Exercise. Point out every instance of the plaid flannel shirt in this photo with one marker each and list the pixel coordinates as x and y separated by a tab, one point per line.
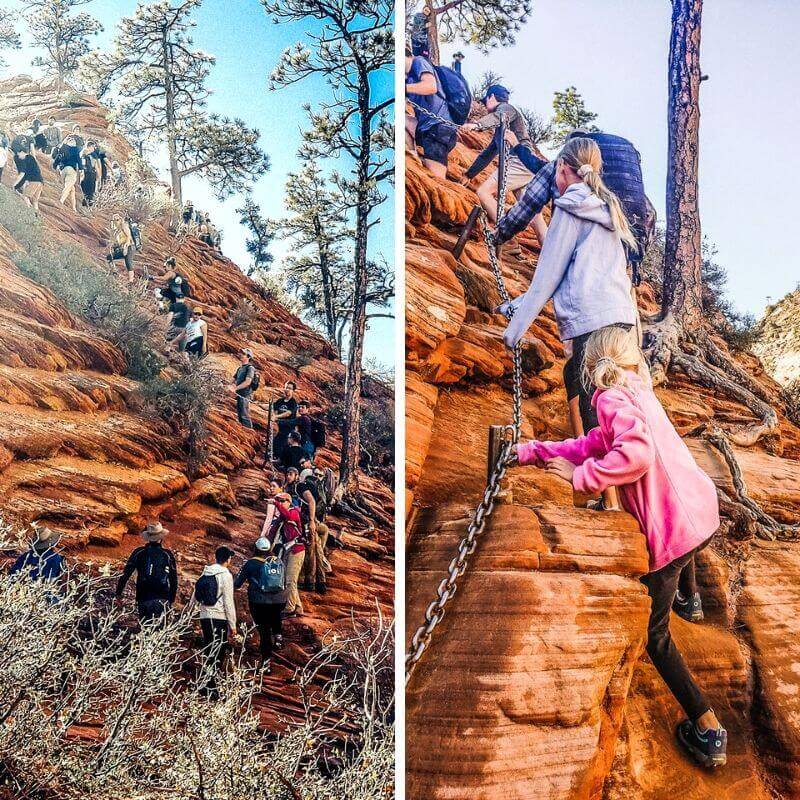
538	193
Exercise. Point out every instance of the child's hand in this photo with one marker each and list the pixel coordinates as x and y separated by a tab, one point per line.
561	467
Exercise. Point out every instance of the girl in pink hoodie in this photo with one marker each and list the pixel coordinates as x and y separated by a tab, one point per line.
637	449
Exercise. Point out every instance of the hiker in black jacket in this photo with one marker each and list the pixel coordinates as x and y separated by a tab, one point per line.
156	574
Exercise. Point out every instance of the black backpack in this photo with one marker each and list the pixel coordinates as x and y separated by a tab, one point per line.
153	572
206	590
317	433
456	93
256	382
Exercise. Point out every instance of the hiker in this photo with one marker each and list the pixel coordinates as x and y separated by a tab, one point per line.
196	335
68	161
213	593
293	452
120	245
306	428
89	172
116	173
33	180
517	175
312	514
242	386
622	174
174	285
181	314
291	531
41	561
78	136
188	213
420	33
21	145
156	574
435	137
582	267
136	234
39	139
637	449
52	136
285	415
456	64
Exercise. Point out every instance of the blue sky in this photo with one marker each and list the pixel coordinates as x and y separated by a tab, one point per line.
247	45
615	53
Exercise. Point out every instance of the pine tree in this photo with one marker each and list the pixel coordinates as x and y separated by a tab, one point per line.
354	43
62	34
159	79
9	38
320	274
481	23
261	236
570	112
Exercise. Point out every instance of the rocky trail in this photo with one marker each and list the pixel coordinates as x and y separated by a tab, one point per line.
536	684
78	453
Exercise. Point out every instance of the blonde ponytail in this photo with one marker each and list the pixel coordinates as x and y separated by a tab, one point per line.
583	155
610	353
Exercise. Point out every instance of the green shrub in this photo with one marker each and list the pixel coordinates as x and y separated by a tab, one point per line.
184	397
122	313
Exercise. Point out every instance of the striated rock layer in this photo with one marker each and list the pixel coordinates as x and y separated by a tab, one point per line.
78	454
536	684
778	338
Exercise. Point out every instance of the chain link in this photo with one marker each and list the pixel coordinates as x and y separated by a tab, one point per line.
447	588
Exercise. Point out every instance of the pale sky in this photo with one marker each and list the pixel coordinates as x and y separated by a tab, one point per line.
615	53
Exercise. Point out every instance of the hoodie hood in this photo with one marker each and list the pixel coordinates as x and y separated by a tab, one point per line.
214	569
579	201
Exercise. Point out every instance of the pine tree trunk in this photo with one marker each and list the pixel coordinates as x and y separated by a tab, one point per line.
351	439
433	34
169	110
327	284
682	293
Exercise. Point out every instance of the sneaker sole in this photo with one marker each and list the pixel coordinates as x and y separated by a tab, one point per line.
699	756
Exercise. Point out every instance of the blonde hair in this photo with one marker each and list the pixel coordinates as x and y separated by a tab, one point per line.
583	155
609	353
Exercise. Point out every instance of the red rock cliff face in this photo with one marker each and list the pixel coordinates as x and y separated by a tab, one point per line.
77	453
536	685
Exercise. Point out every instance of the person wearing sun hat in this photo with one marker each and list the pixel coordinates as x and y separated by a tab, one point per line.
41	561
156	574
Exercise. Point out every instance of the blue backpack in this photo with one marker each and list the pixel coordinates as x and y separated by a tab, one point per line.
456	93
271	578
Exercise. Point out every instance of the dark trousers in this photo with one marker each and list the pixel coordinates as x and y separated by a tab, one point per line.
661	586
243	411
687	582
267	617
153	609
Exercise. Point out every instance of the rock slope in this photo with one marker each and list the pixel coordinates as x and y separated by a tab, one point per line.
536	684
78	454
778	339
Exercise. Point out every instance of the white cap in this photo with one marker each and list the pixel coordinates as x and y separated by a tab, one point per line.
262	543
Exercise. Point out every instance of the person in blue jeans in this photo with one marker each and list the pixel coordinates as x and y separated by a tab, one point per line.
430	128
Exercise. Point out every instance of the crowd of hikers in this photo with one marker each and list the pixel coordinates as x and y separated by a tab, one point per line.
625	450
289	555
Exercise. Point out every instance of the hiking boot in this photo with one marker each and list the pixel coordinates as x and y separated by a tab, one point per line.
708	748
690	608
599	505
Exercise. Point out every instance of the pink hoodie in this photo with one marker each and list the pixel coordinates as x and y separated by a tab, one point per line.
637	449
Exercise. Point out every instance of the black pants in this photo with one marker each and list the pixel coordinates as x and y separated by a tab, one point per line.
153	609
687	582
195	347
88	187
267	617
666	658
575	384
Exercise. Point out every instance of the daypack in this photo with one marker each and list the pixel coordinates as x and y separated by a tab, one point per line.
622	173
317	433
322	500
456	93
206	590
20	143
153	574
271	578
256	382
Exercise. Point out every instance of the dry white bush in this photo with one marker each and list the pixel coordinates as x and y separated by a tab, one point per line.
90	707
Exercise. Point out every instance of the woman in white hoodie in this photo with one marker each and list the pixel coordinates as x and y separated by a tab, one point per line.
218	618
583	268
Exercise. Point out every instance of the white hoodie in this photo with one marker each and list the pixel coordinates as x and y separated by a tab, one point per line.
582	266
224	608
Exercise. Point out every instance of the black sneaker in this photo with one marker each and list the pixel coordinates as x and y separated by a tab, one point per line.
690	608
708	749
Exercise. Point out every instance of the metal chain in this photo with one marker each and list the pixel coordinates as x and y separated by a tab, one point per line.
428	113
434	613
